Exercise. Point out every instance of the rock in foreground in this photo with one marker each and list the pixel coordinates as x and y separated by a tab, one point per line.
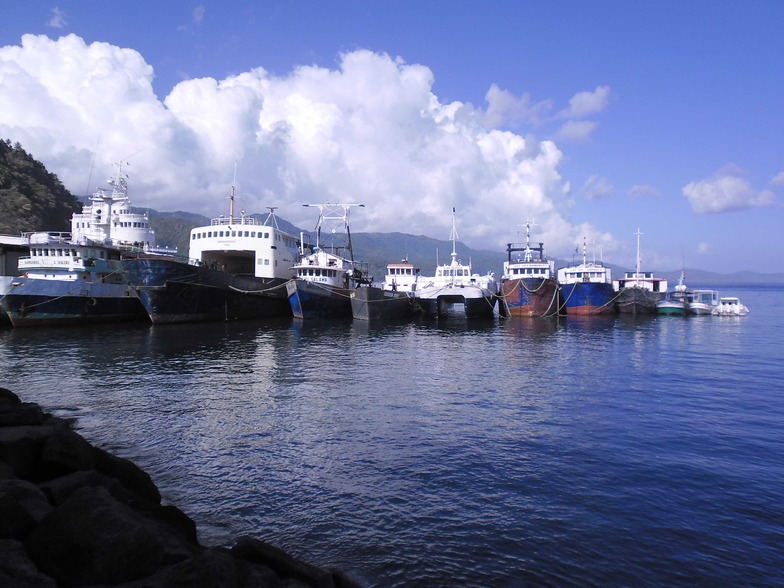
74	515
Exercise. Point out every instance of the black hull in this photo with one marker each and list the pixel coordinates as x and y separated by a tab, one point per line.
473	308
47	311
176	292
376	304
317	301
637	301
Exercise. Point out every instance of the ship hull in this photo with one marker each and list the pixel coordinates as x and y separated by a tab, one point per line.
638	301
35	302
309	300
376	304
588	298
667	308
532	297
176	292
476	302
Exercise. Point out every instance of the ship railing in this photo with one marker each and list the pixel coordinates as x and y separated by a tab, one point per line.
43	237
242	220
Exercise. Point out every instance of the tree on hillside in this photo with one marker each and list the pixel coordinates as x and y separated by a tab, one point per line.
31	198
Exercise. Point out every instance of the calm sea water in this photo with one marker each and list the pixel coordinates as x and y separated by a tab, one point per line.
590	451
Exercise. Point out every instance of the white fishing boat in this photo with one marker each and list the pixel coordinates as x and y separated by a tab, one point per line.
730	306
78	277
455	288
639	291
703	302
327	275
395	299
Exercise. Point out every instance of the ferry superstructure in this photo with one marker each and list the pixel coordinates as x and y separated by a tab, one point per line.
237	268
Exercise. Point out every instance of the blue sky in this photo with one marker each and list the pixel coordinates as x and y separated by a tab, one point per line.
589	118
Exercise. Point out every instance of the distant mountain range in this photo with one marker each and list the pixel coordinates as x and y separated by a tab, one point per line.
378	249
33	199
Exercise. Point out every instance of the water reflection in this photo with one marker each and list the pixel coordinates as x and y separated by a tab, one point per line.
444	451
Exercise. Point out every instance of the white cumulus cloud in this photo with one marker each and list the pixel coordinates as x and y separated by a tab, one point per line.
726	191
370	131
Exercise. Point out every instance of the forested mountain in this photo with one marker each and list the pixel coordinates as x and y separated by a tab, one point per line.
31	198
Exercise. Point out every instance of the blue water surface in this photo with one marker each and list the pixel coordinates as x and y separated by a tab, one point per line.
590	451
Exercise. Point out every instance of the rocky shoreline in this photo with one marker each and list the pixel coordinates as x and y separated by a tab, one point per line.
72	514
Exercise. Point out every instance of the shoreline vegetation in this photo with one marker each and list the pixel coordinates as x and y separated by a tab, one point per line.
72	514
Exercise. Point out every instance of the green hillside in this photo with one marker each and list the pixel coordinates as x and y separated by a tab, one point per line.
31	198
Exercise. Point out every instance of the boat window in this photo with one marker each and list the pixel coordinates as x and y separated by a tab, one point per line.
266	262
253	234
266	235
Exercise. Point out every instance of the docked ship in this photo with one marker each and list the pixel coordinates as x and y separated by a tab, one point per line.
638	291
454	288
237	268
12	247
528	285
676	301
395	299
703	302
327	274
78	277
730	306
587	288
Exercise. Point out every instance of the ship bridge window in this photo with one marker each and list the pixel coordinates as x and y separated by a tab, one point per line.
266	235
252	234
247	233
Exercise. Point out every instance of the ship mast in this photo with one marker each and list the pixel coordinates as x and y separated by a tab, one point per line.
637	275
334	212
453	237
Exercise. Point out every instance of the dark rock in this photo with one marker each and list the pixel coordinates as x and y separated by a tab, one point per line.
8	399
211	568
15	521
128	473
21	414
16	568
60	489
283	564
66	451
93	539
21	448
75	515
27	496
177	520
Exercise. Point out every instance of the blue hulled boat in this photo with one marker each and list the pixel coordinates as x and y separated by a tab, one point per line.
587	288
